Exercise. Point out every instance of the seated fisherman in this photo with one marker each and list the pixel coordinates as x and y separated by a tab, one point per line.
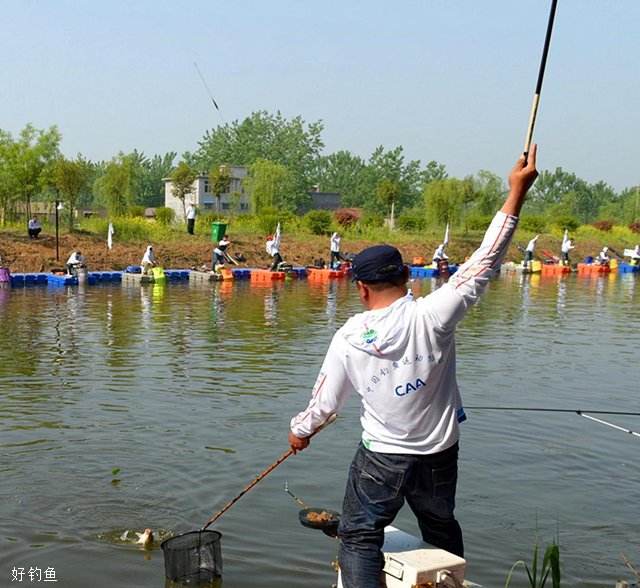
76	260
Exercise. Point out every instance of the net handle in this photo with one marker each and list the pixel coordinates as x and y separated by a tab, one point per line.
263	475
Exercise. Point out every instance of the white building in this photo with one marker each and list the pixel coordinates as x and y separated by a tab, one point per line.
204	200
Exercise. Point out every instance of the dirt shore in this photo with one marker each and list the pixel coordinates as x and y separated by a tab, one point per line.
22	254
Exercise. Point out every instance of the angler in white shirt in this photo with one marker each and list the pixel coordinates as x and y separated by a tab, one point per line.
220	252
528	252
635	256
603	257
439	254
273	248
148	260
191	218
76	260
33	228
399	357
335	251
567	246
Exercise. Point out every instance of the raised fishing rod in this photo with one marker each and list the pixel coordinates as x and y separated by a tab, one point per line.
536	95
583	413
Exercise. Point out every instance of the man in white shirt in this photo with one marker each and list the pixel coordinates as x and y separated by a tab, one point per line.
34	228
148	260
399	356
567	246
76	260
528	252
439	254
220	252
273	249
335	251
635	257
603	257
191	218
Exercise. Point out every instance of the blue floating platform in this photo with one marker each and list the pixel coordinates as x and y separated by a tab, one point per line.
104	277
626	268
423	272
28	279
300	272
55	280
241	273
176	275
17	280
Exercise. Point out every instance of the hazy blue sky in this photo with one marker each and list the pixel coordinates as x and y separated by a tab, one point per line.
450	80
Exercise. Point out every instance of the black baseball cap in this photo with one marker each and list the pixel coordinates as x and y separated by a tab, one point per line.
380	263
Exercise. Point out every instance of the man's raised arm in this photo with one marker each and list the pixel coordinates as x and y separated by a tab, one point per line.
448	304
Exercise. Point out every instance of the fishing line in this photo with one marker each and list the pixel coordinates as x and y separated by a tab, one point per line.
579	412
206	87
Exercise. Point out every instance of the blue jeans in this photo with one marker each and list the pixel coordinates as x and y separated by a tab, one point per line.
377	487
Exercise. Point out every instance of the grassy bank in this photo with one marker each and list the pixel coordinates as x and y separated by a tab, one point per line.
175	248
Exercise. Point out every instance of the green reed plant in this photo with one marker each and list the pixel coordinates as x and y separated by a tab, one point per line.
130	229
550	567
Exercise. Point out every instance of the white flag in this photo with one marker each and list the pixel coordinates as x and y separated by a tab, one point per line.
110	232
446	236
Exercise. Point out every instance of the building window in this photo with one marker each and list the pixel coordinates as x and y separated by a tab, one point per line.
225	206
244	206
206	186
208	205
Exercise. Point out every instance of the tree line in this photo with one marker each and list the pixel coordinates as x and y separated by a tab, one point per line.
285	160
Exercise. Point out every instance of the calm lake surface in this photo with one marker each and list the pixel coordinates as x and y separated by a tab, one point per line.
189	391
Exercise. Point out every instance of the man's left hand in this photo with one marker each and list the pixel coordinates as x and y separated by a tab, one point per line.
298	443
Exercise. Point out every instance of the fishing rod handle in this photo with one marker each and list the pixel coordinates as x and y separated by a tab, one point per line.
260	477
263	475
532	121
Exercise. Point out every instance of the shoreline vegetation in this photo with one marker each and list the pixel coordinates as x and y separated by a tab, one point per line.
300	246
286	162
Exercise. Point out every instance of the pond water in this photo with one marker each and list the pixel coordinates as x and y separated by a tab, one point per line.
189	391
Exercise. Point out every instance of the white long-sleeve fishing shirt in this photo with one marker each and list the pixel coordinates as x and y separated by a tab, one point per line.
148	256
531	246
440	254
401	361
335	243
75	259
273	245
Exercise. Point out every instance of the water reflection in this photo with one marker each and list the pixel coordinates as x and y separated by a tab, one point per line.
155	380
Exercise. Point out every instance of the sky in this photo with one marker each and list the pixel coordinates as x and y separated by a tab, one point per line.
449	80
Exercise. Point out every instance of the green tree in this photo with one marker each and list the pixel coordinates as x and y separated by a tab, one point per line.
8	182
270	185
292	143
434	171
23	161
219	182
152	173
70	178
345	173
391	165
388	192
118	187
489	191
182	178
445	200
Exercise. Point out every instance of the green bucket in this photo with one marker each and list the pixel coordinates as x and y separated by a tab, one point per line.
218	231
